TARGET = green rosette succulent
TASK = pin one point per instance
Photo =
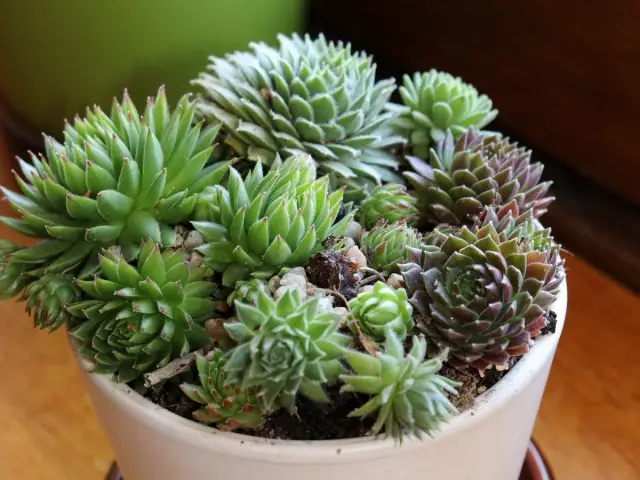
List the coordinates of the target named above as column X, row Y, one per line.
column 261, row 223
column 286, row 347
column 434, row 102
column 389, row 202
column 117, row 180
column 386, row 244
column 13, row 276
column 406, row 391
column 36, row 275
column 47, row 299
column 305, row 96
column 475, row 171
column 228, row 406
column 383, row 308
column 141, row 317
column 479, row 295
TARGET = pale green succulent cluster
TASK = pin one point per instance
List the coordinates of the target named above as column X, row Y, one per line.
column 258, row 224
column 117, row 179
column 391, row 203
column 138, row 318
column 407, row 394
column 382, row 308
column 435, row 102
column 286, row 347
column 156, row 245
column 304, row 96
column 386, row 244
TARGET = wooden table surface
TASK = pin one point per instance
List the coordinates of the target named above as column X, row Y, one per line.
column 588, row 426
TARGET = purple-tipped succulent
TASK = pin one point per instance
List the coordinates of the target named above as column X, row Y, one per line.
column 482, row 295
column 463, row 176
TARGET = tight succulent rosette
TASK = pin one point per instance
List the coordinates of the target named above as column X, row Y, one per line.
column 286, row 347
column 434, row 102
column 407, row 394
column 463, row 176
column 228, row 406
column 386, row 244
column 390, row 203
column 259, row 224
column 383, row 308
column 138, row 318
column 117, row 179
column 480, row 296
column 309, row 96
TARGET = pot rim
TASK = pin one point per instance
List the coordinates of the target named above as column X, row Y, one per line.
column 323, row 451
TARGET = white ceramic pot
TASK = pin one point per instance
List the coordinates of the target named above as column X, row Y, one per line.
column 487, row 442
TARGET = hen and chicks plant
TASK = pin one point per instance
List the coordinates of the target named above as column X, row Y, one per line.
column 155, row 244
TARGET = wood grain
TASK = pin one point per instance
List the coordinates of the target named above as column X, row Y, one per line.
column 587, row 428
column 564, row 75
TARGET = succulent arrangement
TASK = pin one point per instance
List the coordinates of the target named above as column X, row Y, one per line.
column 261, row 232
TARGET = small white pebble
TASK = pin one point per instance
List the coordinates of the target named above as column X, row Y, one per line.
column 285, row 288
column 196, row 260
column 292, row 279
column 193, row 240
column 341, row 311
column 354, row 231
column 179, row 240
column 274, row 283
column 395, row 280
column 366, row 288
column 503, row 367
column 357, row 256
column 298, row 271
column 348, row 243
column 325, row 304
column 482, row 389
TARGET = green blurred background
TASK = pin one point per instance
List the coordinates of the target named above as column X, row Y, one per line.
column 58, row 56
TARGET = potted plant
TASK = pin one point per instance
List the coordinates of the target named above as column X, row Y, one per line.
column 251, row 286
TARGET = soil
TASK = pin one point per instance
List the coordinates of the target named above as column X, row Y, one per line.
column 170, row 396
column 333, row 271
column 315, row 421
column 552, row 319
column 318, row 421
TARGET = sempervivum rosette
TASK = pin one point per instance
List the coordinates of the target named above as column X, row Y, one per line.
column 479, row 295
column 286, row 347
column 35, row 275
column 262, row 223
column 386, row 245
column 141, row 317
column 226, row 405
column 511, row 223
column 434, row 102
column 305, row 96
column 389, row 202
column 380, row 309
column 117, row 179
column 407, row 394
column 475, row 171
